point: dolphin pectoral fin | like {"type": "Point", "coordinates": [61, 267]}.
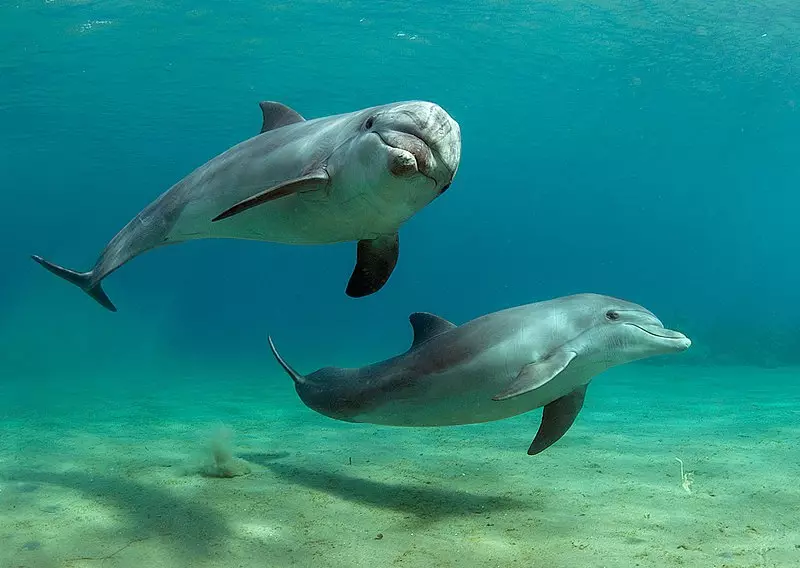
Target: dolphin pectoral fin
{"type": "Point", "coordinates": [316, 181]}
{"type": "Point", "coordinates": [376, 259]}
{"type": "Point", "coordinates": [276, 115]}
{"type": "Point", "coordinates": [534, 375]}
{"type": "Point", "coordinates": [557, 418]}
{"type": "Point", "coordinates": [427, 326]}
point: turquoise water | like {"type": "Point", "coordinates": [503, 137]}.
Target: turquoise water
{"type": "Point", "coordinates": [643, 150]}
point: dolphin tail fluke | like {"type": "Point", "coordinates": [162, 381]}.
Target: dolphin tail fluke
{"type": "Point", "coordinates": [82, 280]}
{"type": "Point", "coordinates": [296, 377]}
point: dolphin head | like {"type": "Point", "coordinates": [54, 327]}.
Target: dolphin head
{"type": "Point", "coordinates": [419, 138]}
{"type": "Point", "coordinates": [405, 153]}
{"type": "Point", "coordinates": [620, 331]}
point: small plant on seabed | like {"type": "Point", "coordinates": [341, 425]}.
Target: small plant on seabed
{"type": "Point", "coordinates": [687, 477]}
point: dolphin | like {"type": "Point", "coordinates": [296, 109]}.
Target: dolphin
{"type": "Point", "coordinates": [348, 177]}
{"type": "Point", "coordinates": [499, 365]}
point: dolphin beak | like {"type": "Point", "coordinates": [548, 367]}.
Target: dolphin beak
{"type": "Point", "coordinates": [675, 338]}
{"type": "Point", "coordinates": [441, 136]}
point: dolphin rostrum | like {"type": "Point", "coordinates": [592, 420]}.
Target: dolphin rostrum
{"type": "Point", "coordinates": [496, 366]}
{"type": "Point", "coordinates": [348, 177]}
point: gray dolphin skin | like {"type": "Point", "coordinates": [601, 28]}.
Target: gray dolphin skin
{"type": "Point", "coordinates": [350, 177]}
{"type": "Point", "coordinates": [496, 366]}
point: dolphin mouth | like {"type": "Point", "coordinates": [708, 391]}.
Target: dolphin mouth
{"type": "Point", "coordinates": [427, 161]}
{"type": "Point", "coordinates": [681, 341]}
{"type": "Point", "coordinates": [413, 154]}
{"type": "Point", "coordinates": [439, 129]}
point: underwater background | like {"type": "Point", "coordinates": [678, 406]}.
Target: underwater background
{"type": "Point", "coordinates": [646, 150]}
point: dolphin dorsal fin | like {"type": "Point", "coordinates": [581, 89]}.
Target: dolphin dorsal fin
{"type": "Point", "coordinates": [427, 326]}
{"type": "Point", "coordinates": [276, 115]}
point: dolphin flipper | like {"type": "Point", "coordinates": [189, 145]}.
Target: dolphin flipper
{"type": "Point", "coordinates": [311, 182]}
{"type": "Point", "coordinates": [82, 280]}
{"type": "Point", "coordinates": [557, 418]}
{"type": "Point", "coordinates": [534, 375]}
{"type": "Point", "coordinates": [376, 259]}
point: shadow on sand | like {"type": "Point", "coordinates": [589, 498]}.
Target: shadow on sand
{"type": "Point", "coordinates": [150, 511]}
{"type": "Point", "coordinates": [430, 503]}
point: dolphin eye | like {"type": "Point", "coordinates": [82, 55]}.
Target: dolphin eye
{"type": "Point", "coordinates": [370, 121]}
{"type": "Point", "coordinates": [612, 315]}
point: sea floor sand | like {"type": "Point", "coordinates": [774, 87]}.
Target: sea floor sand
{"type": "Point", "coordinates": [97, 477]}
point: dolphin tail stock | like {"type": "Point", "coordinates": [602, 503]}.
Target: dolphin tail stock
{"type": "Point", "coordinates": [296, 377]}
{"type": "Point", "coordinates": [83, 280]}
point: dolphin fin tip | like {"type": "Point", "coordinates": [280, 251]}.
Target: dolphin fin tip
{"type": "Point", "coordinates": [102, 298]}
{"type": "Point", "coordinates": [296, 377]}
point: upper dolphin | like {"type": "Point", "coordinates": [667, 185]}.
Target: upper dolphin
{"type": "Point", "coordinates": [496, 366]}
{"type": "Point", "coordinates": [349, 177]}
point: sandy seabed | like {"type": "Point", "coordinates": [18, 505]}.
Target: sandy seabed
{"type": "Point", "coordinates": [102, 478]}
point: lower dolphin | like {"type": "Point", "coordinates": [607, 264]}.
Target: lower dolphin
{"type": "Point", "coordinates": [496, 366]}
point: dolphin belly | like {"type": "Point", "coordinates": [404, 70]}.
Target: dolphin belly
{"type": "Point", "coordinates": [294, 219]}
{"type": "Point", "coordinates": [463, 396]}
